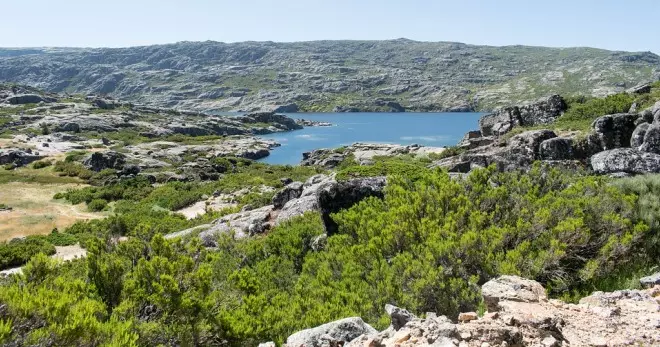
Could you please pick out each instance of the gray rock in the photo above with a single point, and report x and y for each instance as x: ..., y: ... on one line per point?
x: 655, y: 108
x: 651, y: 142
x: 637, y: 138
x: 343, y: 195
x: 297, y: 207
x: 331, y: 334
x: 28, y: 99
x: 267, y: 344
x: 18, y: 157
x: 643, y: 88
x: 626, y: 160
x: 558, y: 148
x: 511, y: 288
x: 243, y: 224
x: 615, y: 131
x: 106, y: 104
x: 541, y: 112
x: 398, y: 316
x: 288, y: 193
x: 650, y: 281
x: 98, y: 161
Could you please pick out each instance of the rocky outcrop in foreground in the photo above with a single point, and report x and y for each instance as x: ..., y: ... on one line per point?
x: 519, y: 314
x: 320, y: 193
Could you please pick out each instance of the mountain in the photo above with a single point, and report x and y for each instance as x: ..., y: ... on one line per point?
x: 329, y: 75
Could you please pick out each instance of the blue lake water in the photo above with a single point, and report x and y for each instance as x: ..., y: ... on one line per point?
x: 428, y: 129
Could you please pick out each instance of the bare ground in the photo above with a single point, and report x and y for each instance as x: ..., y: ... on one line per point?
x: 35, y: 212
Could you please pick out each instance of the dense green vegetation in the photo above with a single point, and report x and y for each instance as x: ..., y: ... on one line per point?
x: 427, y: 247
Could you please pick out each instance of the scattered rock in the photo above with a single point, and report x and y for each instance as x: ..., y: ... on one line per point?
x: 558, y: 148
x: 650, y: 281
x: 651, y: 141
x: 625, y: 160
x: 615, y: 131
x: 466, y: 317
x: 290, y: 192
x: 98, y: 161
x: 541, y: 112
x: 511, y: 288
x: 398, y: 316
x: 331, y: 334
x: 637, y: 138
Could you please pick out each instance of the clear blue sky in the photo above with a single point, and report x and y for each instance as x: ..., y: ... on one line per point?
x: 612, y: 24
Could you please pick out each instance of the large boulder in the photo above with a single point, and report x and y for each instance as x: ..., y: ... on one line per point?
x: 98, y: 161
x: 650, y: 281
x: 542, y: 112
x: 22, y: 99
x: 511, y: 288
x: 18, y: 157
x: 279, y: 121
x: 626, y: 160
x: 331, y: 334
x: 343, y: 195
x: 290, y: 192
x: 398, y: 316
x: 243, y: 224
x: 558, y: 148
x: 637, y: 138
x: 615, y: 130
x: 651, y: 141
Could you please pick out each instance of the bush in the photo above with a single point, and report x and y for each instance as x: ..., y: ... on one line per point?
x: 97, y: 205
x: 18, y: 251
x: 72, y: 169
x: 41, y: 164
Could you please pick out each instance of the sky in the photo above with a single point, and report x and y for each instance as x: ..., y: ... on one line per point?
x: 610, y: 24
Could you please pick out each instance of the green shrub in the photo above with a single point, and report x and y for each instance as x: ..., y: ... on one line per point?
x: 61, y: 239
x: 18, y: 251
x: 97, y: 205
x: 41, y: 164
x: 72, y: 169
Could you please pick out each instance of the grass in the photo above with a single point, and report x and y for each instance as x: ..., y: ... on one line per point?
x: 28, y: 175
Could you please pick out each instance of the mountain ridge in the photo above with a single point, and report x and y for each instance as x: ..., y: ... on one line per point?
x: 329, y: 75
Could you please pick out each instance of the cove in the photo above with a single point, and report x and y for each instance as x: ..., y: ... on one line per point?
x: 428, y: 129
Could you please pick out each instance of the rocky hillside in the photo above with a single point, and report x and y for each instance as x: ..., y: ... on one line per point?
x: 393, y: 75
x: 519, y: 314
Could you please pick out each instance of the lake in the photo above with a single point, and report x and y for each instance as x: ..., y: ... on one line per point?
x: 428, y: 129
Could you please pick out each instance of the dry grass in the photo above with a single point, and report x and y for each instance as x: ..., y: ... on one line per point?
x: 34, y: 210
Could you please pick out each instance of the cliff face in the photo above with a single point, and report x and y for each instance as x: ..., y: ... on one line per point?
x: 341, y: 76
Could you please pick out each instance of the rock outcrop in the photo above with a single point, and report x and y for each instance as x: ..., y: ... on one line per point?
x: 98, y: 161
x: 542, y: 112
x: 363, y: 153
x: 519, y: 314
x: 321, y: 193
x: 17, y: 157
x: 625, y: 160
x: 331, y: 334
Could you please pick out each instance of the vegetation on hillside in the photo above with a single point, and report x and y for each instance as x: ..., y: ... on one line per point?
x: 427, y: 247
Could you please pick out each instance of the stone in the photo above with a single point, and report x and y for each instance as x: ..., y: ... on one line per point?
x: 105, y: 104
x: 343, y: 195
x: 651, y: 141
x: 643, y: 88
x: 627, y: 160
x: 98, y: 161
x: 637, y: 138
x: 398, y: 316
x: 467, y: 316
x: 297, y: 207
x: 650, y: 281
x: 18, y: 157
x: 511, y: 288
x: 22, y: 99
x: 542, y: 112
x: 342, y: 331
x: 558, y: 148
x: 615, y: 131
x: 268, y: 344
x: 288, y: 193
x: 243, y: 224
x: 550, y: 341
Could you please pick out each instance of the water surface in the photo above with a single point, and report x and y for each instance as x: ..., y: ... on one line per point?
x: 428, y: 129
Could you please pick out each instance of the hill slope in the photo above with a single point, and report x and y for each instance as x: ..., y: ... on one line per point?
x: 324, y: 75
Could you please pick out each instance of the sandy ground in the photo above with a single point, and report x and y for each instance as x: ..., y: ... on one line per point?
x: 34, y: 212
